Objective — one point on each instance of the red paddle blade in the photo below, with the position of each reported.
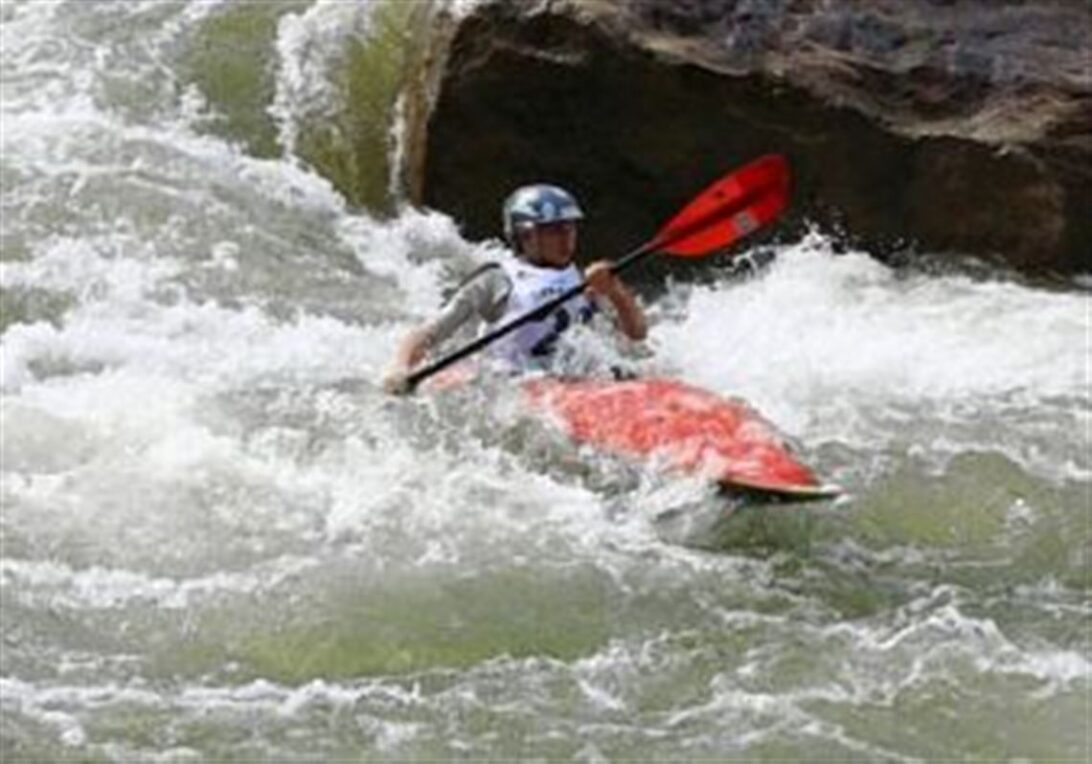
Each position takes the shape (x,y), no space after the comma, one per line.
(732,207)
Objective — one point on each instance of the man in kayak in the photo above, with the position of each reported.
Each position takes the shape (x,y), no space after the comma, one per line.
(540,223)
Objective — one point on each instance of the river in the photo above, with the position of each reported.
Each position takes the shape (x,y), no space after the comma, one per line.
(222,542)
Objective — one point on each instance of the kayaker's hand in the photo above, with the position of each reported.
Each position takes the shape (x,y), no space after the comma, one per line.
(410,352)
(396,382)
(601,280)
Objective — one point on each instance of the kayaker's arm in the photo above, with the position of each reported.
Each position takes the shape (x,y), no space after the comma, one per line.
(631,316)
(481,297)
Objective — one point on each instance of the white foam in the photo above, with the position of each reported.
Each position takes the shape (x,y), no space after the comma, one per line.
(840,347)
(58,585)
(310,45)
(847,325)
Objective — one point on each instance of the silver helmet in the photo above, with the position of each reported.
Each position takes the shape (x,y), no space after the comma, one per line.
(538,204)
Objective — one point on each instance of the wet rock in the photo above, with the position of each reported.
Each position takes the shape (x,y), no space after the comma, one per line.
(961,127)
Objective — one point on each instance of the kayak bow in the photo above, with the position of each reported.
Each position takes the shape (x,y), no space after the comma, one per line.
(684,428)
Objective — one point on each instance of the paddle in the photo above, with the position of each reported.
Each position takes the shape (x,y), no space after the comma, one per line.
(732,207)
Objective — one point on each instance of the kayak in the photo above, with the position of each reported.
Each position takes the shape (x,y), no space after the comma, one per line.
(681,427)
(669,424)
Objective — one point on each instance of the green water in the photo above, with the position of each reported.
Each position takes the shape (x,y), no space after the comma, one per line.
(232,59)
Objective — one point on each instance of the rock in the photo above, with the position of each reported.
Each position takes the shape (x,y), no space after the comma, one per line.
(962,127)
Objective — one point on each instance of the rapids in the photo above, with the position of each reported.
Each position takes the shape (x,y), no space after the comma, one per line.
(220,541)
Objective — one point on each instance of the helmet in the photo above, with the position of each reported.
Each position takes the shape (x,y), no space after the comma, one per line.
(540,204)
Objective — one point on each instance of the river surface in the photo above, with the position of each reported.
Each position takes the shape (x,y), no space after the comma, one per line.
(221,542)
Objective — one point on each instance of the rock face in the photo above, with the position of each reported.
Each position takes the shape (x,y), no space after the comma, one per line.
(960,126)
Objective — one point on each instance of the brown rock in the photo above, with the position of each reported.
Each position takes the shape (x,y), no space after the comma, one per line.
(961,127)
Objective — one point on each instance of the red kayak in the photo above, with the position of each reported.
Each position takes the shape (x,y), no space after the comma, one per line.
(682,427)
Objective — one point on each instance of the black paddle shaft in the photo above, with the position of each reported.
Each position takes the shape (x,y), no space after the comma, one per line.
(543,310)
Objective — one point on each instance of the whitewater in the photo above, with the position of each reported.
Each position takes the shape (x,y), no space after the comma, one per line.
(221,541)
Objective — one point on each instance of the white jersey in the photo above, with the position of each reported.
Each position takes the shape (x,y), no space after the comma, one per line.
(532,286)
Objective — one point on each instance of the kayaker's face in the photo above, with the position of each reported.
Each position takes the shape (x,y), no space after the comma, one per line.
(552,245)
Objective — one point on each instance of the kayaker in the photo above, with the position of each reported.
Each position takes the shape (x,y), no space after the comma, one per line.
(540,224)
